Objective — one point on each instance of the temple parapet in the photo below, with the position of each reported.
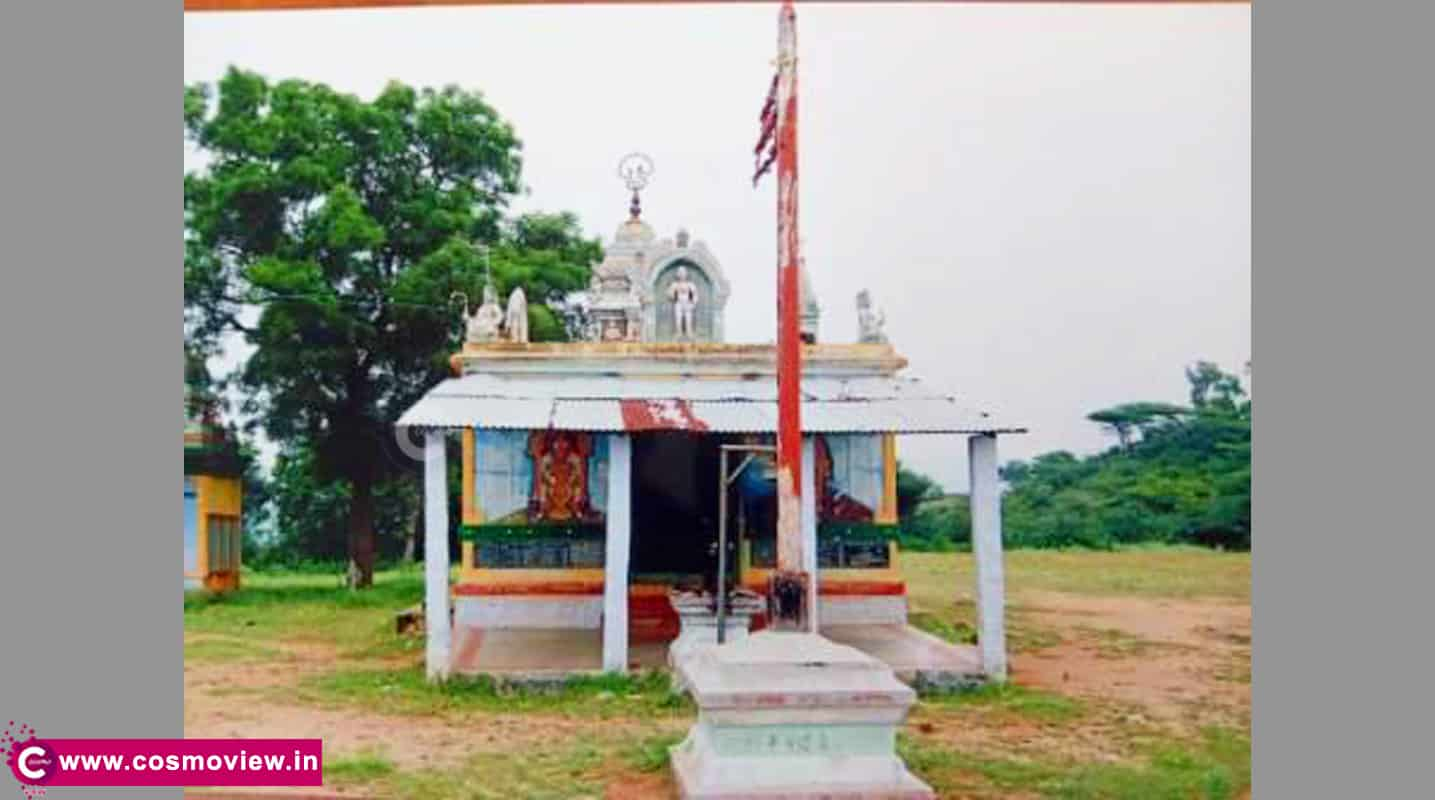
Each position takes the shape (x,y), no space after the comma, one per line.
(694,359)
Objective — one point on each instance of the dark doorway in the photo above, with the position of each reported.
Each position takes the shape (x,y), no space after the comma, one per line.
(675,507)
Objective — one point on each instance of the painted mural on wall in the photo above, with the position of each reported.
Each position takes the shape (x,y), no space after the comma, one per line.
(849,477)
(561,480)
(536,477)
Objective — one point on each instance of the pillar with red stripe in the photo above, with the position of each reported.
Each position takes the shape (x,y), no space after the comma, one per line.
(789,345)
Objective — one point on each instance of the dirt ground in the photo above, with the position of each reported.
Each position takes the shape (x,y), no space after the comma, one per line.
(1140,665)
(1180,662)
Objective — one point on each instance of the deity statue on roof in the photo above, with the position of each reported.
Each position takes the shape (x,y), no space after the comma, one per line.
(485,323)
(869,322)
(516,320)
(684,294)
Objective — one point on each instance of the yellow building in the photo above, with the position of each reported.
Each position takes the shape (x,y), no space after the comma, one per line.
(213,521)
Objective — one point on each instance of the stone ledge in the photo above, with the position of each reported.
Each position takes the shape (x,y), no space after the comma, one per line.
(664,358)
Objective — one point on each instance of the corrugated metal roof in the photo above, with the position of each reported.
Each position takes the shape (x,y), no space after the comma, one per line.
(830,405)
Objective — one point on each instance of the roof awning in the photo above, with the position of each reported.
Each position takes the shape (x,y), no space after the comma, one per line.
(637,404)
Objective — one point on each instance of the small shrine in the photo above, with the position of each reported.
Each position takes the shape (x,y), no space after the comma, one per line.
(213,490)
(594,517)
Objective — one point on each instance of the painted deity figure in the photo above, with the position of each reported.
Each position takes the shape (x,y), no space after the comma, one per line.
(869,322)
(684,294)
(516,320)
(484,324)
(832,502)
(560,476)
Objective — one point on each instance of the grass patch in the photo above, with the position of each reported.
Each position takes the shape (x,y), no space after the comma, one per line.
(651,754)
(1215,767)
(407,692)
(581,769)
(952,771)
(315,609)
(358,768)
(955,622)
(541,775)
(1160,572)
(1031,703)
(956,632)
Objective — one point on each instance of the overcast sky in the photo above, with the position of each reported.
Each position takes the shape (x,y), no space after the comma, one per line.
(1052,205)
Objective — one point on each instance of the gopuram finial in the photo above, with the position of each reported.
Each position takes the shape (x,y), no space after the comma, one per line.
(635,169)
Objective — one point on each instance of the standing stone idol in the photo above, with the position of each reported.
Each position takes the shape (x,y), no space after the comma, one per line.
(684,294)
(516,322)
(484,324)
(869,322)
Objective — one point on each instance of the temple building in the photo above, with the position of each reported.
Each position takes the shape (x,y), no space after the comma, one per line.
(591,485)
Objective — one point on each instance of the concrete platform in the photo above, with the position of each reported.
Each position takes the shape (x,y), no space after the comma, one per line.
(917,657)
(793,715)
(546,652)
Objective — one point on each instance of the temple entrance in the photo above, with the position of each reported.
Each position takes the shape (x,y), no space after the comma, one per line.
(675,506)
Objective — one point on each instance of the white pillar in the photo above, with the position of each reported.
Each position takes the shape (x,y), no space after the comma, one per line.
(809,526)
(436,606)
(615,561)
(987,549)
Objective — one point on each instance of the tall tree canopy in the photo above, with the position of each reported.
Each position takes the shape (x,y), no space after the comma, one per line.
(1131,418)
(912,488)
(1185,478)
(348,224)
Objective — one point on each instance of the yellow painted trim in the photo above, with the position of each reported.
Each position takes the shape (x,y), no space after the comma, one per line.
(472,515)
(467,572)
(756,577)
(887,514)
(858,575)
(201,524)
(519,577)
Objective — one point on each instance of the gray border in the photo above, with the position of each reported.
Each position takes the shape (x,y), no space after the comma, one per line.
(90,294)
(1342,181)
(1341,198)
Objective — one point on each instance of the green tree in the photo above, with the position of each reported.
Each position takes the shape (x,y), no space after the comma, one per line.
(1212,386)
(912,488)
(1180,474)
(1128,419)
(349,223)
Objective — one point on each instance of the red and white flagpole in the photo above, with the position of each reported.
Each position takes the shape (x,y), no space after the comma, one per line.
(790,582)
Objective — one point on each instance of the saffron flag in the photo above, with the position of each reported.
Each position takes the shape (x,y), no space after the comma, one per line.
(766,150)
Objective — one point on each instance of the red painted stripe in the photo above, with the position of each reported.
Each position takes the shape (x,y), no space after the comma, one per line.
(546,588)
(660,415)
(847,588)
(861,588)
